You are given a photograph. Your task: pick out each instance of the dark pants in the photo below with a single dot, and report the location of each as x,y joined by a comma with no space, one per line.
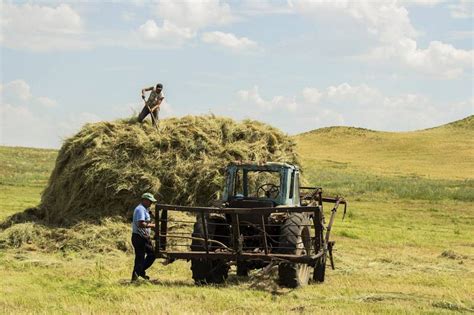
145,111
142,247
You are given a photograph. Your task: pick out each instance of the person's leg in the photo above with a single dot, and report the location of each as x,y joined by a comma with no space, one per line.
155,115
143,114
150,256
138,243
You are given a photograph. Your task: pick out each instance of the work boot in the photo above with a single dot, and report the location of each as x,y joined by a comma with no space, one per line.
144,276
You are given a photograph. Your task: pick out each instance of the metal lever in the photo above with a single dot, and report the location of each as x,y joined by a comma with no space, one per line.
331,259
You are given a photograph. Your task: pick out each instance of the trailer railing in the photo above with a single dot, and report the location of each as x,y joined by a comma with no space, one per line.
174,238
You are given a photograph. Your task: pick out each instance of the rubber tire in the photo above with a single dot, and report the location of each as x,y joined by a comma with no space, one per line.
320,269
242,269
206,271
292,233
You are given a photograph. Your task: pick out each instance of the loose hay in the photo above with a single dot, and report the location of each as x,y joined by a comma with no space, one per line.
101,170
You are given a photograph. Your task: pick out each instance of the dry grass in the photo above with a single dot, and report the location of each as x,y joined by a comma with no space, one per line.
105,167
395,253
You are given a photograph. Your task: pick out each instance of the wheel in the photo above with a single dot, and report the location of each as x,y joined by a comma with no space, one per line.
294,239
320,269
242,269
208,271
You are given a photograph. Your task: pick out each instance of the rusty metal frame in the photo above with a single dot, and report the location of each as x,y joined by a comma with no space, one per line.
236,252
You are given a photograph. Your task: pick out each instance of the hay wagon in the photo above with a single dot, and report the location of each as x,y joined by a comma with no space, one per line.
264,219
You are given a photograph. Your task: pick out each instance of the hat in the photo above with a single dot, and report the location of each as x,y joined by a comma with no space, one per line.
148,196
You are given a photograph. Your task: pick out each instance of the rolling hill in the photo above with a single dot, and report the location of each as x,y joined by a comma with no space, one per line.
445,152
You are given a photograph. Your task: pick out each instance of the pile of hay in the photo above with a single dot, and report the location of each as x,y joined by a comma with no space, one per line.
103,169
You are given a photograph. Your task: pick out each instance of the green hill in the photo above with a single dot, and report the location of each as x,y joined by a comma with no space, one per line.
445,152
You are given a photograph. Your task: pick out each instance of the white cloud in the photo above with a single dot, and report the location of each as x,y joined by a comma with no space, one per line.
46,102
346,104
312,95
264,7
389,23
16,90
42,131
195,14
128,16
462,34
230,41
279,102
427,3
464,9
41,28
25,122
36,135
168,33
73,122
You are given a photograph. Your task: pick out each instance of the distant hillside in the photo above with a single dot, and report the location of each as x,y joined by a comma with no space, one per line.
466,123
444,152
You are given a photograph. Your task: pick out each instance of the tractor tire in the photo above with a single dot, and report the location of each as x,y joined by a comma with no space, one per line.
294,239
206,271
320,269
242,269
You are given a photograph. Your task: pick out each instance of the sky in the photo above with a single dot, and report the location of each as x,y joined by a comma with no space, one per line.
297,65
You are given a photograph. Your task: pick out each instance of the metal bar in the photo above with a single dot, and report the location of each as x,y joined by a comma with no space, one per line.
157,231
307,259
236,233
316,216
204,229
264,236
337,200
265,210
163,227
176,235
329,227
200,239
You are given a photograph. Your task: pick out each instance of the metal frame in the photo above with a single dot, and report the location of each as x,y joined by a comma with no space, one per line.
235,251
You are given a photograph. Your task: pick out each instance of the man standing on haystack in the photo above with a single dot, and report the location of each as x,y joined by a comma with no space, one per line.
152,105
141,240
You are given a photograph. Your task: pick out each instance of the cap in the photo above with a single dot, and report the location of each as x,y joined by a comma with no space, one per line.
159,85
148,196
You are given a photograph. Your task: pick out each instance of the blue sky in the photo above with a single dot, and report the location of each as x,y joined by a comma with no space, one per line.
298,65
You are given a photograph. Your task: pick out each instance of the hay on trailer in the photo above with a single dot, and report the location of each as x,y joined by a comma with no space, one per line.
103,169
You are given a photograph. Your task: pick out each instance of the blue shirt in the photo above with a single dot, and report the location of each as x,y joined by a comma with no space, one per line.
141,214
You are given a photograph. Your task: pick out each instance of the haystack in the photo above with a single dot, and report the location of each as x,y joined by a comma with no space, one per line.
103,169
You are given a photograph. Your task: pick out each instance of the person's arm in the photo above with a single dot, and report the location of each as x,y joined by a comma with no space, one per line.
161,97
145,224
145,90
157,106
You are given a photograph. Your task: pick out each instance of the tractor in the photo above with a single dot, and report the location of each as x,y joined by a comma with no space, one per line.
263,219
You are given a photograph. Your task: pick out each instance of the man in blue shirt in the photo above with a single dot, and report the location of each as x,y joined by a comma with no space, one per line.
141,240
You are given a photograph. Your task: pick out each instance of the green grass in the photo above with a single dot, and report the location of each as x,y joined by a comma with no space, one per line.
24,173
406,245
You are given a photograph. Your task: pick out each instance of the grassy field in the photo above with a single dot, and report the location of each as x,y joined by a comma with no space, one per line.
406,245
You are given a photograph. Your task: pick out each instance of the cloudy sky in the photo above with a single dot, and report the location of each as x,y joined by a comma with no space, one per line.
298,65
